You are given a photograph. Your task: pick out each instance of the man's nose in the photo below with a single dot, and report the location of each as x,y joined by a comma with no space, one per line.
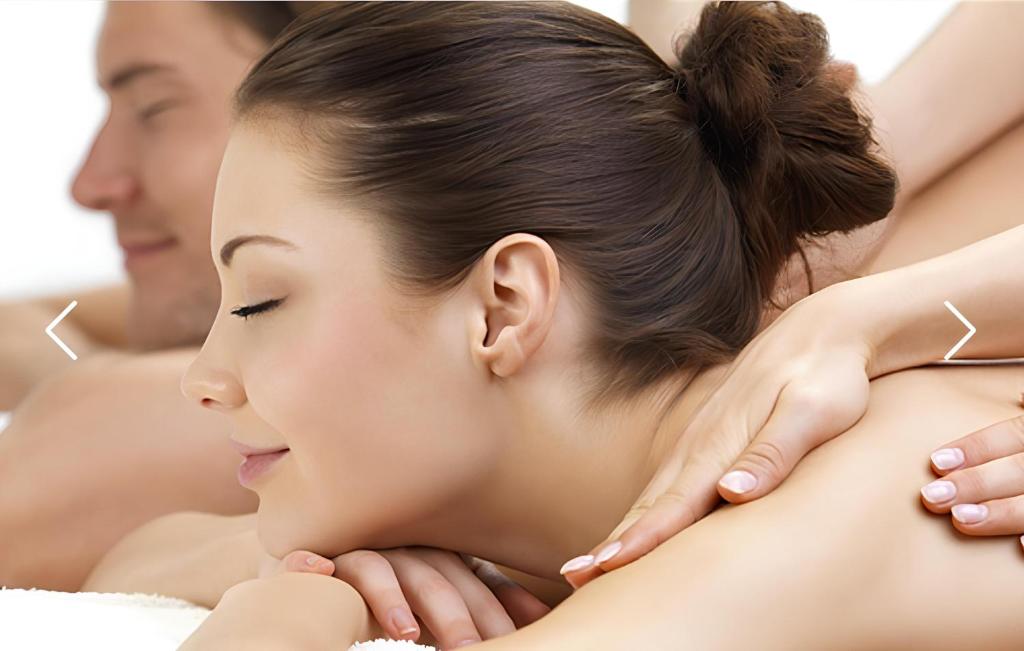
106,178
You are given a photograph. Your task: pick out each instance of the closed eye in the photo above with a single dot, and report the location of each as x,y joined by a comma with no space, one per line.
245,311
155,109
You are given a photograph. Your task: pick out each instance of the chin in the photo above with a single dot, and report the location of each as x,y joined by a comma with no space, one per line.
282,531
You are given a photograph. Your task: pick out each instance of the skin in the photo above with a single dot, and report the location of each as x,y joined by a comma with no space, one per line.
503,341
154,172
118,414
168,71
372,328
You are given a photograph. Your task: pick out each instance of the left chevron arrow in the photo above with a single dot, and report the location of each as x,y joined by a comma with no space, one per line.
53,324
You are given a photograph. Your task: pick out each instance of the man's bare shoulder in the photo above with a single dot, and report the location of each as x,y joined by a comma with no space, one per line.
189,546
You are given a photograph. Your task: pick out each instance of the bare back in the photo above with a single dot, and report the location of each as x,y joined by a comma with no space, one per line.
841,556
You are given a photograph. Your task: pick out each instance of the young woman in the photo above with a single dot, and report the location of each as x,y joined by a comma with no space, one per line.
481,263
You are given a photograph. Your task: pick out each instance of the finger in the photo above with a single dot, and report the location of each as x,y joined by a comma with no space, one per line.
992,442
1003,477
373,577
991,518
436,601
802,420
484,607
301,561
520,604
651,521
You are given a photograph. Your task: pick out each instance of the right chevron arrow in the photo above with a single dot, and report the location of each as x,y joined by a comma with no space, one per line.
970,329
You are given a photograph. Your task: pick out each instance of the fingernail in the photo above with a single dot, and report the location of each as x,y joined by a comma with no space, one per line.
738,481
970,513
1022,537
939,491
607,552
402,621
578,563
947,458
466,643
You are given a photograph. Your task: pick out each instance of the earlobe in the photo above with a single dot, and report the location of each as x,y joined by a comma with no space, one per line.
505,355
517,283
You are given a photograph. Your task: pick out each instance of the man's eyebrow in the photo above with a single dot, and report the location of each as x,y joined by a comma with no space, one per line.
229,248
128,74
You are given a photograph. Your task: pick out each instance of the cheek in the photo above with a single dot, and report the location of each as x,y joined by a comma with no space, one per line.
375,434
181,165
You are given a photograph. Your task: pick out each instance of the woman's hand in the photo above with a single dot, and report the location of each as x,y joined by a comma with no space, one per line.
802,381
298,611
460,599
982,481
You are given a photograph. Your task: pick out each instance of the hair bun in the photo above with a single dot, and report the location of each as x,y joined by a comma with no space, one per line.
773,113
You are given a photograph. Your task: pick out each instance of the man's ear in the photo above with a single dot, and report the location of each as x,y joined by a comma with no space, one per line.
517,283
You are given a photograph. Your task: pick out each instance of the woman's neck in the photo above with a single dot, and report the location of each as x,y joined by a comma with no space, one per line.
572,479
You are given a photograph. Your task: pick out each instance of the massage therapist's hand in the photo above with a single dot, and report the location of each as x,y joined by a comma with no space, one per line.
802,381
460,599
982,481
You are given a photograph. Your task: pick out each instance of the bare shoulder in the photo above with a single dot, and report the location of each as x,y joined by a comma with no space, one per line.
841,556
191,555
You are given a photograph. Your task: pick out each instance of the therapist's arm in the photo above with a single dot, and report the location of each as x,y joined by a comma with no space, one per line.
28,355
962,87
910,324
804,381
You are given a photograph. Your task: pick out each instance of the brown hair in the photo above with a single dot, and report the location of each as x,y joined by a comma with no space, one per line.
675,194
265,19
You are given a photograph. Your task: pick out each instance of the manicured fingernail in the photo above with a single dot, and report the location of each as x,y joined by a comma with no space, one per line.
939,491
607,552
402,621
578,563
738,481
947,458
465,643
970,513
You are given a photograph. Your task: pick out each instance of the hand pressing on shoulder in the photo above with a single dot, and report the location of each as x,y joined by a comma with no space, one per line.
981,481
459,599
801,382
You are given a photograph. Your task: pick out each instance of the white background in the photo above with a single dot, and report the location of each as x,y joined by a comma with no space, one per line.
51,106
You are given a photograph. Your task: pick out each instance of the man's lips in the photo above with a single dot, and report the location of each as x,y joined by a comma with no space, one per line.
139,247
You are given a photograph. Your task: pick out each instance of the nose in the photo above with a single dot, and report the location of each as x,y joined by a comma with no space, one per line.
212,387
106,178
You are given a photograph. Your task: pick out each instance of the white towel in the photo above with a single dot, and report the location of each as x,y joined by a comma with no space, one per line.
43,620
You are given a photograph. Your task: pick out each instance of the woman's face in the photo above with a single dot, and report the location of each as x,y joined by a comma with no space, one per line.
376,398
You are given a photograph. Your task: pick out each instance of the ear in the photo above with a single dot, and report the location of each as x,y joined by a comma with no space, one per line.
517,283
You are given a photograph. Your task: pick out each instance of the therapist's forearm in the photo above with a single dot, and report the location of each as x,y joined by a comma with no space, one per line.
959,89
904,309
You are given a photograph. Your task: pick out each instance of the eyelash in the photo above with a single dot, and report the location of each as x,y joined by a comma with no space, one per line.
245,311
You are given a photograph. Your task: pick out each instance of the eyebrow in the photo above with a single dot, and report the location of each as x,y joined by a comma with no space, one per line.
228,250
127,75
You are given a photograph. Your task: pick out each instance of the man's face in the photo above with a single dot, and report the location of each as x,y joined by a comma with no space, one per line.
169,71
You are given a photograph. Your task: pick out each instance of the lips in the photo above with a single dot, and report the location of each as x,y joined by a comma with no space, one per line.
258,461
249,451
137,251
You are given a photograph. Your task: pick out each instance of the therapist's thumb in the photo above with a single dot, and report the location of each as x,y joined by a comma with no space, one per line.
800,422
